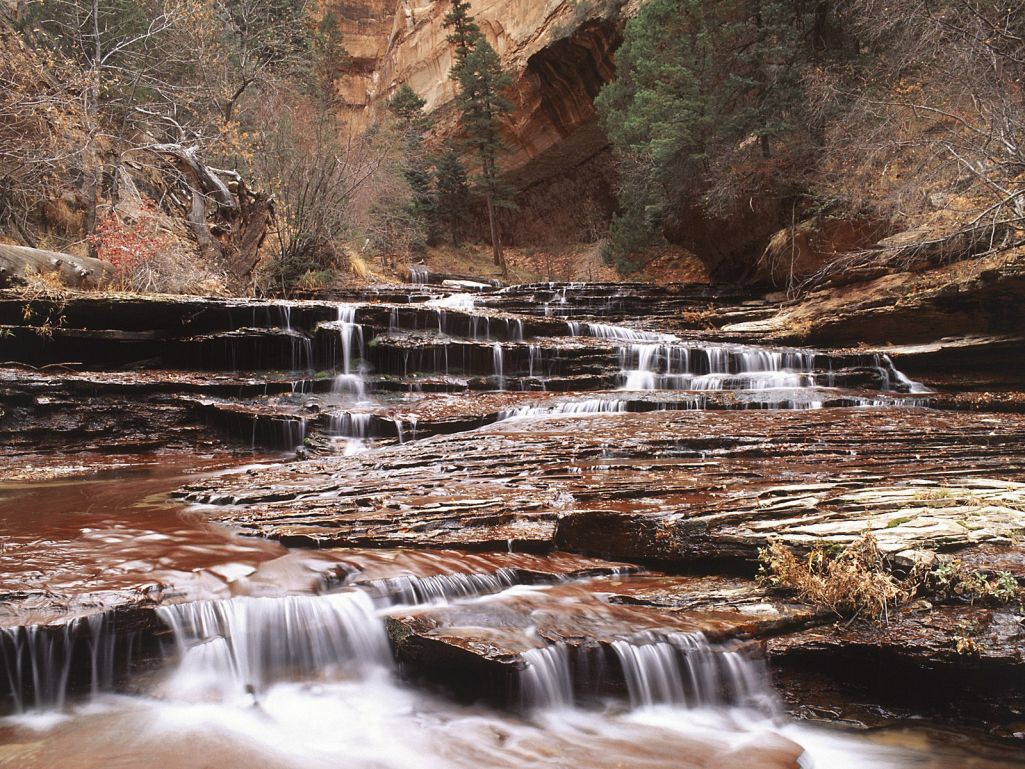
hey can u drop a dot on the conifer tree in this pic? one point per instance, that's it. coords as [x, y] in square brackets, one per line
[408, 108]
[480, 81]
[453, 192]
[695, 81]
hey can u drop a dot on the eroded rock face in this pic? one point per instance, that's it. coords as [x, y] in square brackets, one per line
[659, 486]
[559, 53]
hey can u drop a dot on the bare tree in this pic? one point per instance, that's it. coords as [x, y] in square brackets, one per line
[936, 122]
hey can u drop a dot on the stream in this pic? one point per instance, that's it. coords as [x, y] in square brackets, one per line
[368, 541]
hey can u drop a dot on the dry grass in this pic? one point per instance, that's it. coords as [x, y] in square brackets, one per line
[851, 582]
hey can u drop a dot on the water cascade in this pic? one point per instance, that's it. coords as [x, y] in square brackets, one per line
[684, 669]
[39, 660]
[441, 588]
[546, 678]
[683, 367]
[245, 644]
[499, 363]
[350, 380]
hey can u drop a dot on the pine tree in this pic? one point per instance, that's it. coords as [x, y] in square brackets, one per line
[408, 109]
[453, 191]
[480, 81]
[695, 81]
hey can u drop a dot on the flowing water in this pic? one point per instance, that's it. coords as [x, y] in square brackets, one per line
[226, 651]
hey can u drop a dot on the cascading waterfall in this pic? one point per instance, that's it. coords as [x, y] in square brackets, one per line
[680, 669]
[546, 680]
[38, 660]
[418, 274]
[683, 367]
[535, 361]
[454, 302]
[684, 669]
[245, 644]
[567, 408]
[498, 356]
[353, 428]
[351, 338]
[301, 346]
[441, 588]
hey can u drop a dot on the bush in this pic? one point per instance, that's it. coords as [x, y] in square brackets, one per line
[148, 257]
[849, 581]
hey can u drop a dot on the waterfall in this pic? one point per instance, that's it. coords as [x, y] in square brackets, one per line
[684, 669]
[498, 356]
[418, 274]
[39, 660]
[246, 644]
[680, 669]
[536, 361]
[567, 408]
[890, 372]
[546, 679]
[440, 588]
[680, 367]
[617, 333]
[350, 333]
[354, 428]
[454, 302]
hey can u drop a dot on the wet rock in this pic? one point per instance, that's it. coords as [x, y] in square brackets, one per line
[947, 662]
[481, 648]
[658, 486]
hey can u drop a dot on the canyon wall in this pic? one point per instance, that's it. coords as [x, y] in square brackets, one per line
[559, 52]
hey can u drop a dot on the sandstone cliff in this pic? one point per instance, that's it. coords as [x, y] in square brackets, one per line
[560, 53]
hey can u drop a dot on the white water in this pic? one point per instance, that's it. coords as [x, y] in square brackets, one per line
[305, 682]
[244, 644]
[454, 302]
[546, 680]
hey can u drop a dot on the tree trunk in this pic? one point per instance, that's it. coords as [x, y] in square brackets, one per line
[496, 239]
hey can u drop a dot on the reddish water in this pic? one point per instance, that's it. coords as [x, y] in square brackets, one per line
[75, 530]
[70, 534]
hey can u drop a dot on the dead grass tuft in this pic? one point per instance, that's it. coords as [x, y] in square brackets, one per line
[853, 581]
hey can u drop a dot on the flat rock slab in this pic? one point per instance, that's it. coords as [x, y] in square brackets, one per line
[662, 486]
[766, 612]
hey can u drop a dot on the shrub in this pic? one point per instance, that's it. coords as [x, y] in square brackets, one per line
[849, 581]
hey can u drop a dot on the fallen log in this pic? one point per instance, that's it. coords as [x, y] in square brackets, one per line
[18, 263]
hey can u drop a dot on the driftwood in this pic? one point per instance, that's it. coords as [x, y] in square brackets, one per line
[232, 233]
[17, 263]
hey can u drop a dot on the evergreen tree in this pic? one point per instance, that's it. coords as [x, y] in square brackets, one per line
[408, 109]
[695, 81]
[453, 199]
[480, 81]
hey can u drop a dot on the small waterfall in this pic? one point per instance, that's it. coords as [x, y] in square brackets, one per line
[39, 661]
[245, 644]
[442, 587]
[350, 333]
[535, 361]
[498, 356]
[301, 346]
[684, 669]
[418, 274]
[891, 373]
[681, 367]
[567, 408]
[546, 680]
[354, 428]
[454, 302]
[617, 333]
